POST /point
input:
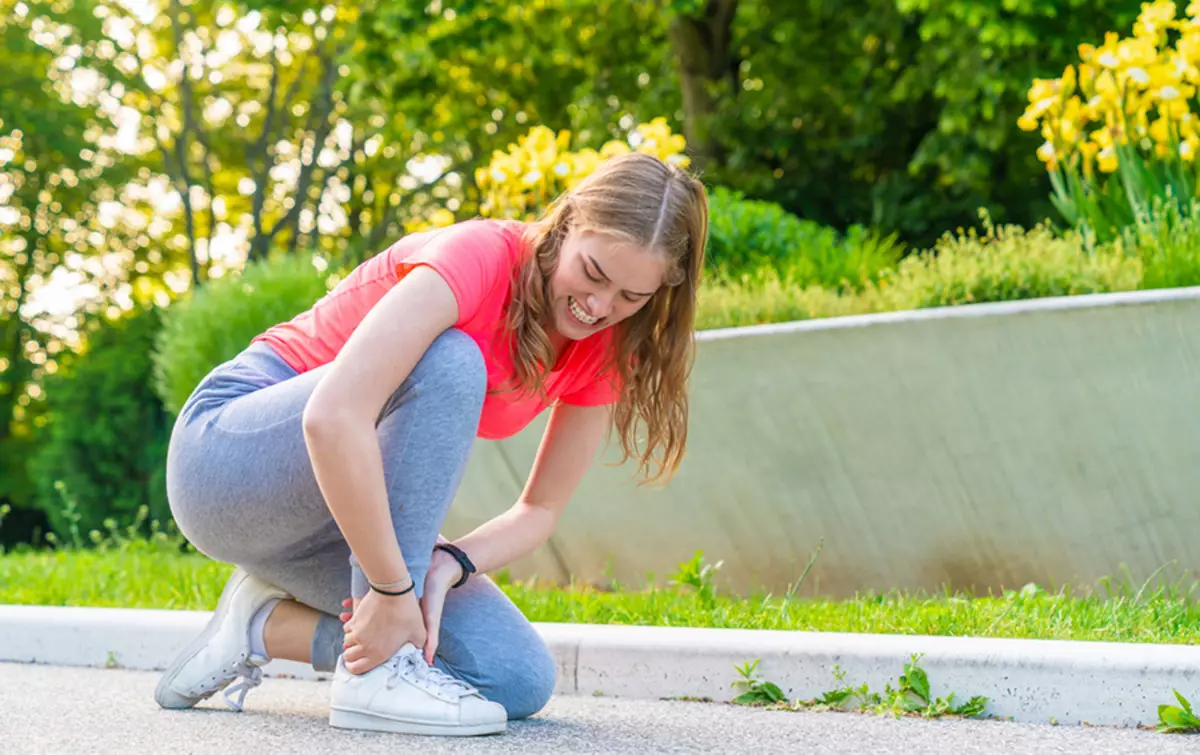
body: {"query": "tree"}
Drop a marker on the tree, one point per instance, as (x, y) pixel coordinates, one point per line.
(54, 175)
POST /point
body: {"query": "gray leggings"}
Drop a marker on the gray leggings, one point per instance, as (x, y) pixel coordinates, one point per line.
(242, 491)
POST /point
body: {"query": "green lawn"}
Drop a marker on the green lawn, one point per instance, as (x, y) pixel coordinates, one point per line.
(144, 578)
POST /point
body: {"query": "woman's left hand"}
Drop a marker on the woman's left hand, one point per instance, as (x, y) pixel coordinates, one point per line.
(443, 572)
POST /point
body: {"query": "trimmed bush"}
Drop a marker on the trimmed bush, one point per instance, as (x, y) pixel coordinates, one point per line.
(217, 321)
(748, 236)
(1007, 263)
(102, 453)
(1003, 264)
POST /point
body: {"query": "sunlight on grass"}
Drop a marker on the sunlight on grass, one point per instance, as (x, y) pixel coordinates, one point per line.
(150, 578)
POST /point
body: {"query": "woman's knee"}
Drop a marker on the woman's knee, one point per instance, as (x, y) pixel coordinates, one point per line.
(455, 365)
(524, 686)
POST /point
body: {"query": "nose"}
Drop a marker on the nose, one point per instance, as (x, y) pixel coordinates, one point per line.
(599, 305)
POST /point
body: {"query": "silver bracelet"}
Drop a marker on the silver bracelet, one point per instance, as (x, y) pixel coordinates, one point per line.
(389, 585)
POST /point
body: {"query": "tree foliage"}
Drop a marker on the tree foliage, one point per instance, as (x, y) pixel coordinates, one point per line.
(104, 448)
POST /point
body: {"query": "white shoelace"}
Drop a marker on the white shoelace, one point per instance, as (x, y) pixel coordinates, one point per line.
(251, 677)
(431, 678)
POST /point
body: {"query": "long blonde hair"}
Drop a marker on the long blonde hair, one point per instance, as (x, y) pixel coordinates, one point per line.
(641, 200)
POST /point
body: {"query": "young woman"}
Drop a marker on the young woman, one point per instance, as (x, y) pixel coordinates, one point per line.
(323, 459)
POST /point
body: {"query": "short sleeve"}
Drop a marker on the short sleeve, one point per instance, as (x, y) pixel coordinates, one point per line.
(603, 389)
(475, 259)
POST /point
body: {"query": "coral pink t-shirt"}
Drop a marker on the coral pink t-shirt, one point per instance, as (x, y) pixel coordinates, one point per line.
(477, 259)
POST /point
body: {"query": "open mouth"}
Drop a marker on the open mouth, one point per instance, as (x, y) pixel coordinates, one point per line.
(578, 313)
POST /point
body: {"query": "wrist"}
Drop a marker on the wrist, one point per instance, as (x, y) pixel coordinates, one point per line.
(393, 589)
(466, 567)
(443, 560)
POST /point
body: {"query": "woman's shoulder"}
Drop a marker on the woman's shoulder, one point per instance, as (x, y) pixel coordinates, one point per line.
(480, 237)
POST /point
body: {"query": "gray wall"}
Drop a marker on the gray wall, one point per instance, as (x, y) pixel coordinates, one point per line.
(983, 447)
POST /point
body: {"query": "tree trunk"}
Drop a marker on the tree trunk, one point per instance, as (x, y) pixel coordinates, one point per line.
(703, 52)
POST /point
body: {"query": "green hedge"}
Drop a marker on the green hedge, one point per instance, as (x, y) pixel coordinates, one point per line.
(103, 449)
(218, 320)
(746, 236)
(1004, 263)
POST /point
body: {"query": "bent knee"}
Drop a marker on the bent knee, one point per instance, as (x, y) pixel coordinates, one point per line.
(524, 689)
(454, 362)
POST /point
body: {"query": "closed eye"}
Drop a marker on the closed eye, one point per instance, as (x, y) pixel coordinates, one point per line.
(632, 296)
(589, 275)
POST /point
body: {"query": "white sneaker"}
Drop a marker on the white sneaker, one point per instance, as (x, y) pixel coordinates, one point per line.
(222, 651)
(407, 695)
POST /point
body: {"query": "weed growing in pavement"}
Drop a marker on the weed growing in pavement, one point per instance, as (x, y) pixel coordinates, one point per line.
(1178, 720)
(757, 692)
(910, 697)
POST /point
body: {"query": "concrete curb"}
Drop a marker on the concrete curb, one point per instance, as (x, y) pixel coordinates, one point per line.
(1036, 681)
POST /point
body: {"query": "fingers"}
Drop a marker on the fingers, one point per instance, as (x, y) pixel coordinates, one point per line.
(431, 610)
(361, 665)
(353, 654)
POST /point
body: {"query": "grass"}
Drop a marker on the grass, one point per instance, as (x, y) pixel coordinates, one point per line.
(153, 576)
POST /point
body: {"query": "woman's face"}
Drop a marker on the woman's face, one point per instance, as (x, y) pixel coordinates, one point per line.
(599, 282)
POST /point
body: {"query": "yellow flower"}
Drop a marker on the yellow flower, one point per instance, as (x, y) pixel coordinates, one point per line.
(1106, 159)
(1088, 150)
(1106, 87)
(1044, 89)
(1047, 154)
(1175, 109)
(1155, 19)
(1138, 75)
(1068, 81)
(1188, 148)
(613, 149)
(1160, 130)
(1087, 79)
(1140, 52)
(1188, 46)
(1187, 125)
(1107, 54)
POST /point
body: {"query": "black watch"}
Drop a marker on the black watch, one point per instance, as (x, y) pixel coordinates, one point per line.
(468, 568)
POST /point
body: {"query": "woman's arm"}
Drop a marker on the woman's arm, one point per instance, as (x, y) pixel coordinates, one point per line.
(339, 419)
(568, 447)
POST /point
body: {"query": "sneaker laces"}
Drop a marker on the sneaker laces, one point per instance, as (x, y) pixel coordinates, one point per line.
(430, 678)
(251, 677)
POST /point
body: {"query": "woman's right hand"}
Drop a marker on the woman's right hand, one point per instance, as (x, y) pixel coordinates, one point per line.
(379, 626)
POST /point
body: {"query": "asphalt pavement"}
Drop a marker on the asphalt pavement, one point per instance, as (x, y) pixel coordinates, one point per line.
(54, 709)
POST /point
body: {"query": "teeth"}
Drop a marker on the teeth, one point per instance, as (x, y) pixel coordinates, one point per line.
(575, 310)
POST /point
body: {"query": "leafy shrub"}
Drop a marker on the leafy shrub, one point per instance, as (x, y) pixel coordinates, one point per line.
(748, 236)
(1007, 263)
(104, 445)
(1003, 264)
(218, 321)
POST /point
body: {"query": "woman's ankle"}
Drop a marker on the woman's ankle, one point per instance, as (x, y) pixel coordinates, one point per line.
(288, 631)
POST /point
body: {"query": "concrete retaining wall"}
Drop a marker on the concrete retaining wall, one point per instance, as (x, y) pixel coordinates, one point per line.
(985, 446)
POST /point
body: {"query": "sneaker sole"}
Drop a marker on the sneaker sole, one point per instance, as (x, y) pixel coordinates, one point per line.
(351, 719)
(169, 698)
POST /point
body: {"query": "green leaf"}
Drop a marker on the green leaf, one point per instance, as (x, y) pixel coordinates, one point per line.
(917, 680)
(773, 692)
